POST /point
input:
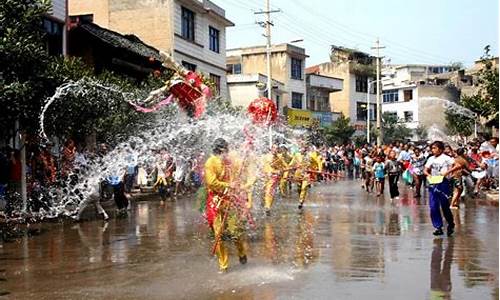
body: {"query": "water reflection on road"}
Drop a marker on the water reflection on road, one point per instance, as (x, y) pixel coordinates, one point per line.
(344, 245)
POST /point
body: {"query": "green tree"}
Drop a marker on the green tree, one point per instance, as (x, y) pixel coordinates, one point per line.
(28, 76)
(421, 132)
(340, 131)
(394, 129)
(23, 61)
(97, 104)
(484, 103)
(316, 134)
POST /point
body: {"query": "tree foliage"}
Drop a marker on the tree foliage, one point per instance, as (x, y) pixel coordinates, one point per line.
(316, 134)
(484, 103)
(340, 132)
(23, 60)
(421, 132)
(394, 129)
(29, 76)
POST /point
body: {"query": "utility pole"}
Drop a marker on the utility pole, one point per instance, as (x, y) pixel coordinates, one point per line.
(268, 25)
(379, 108)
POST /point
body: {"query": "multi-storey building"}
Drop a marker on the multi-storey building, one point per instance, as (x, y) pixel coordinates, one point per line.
(244, 88)
(357, 70)
(319, 88)
(287, 67)
(413, 94)
(192, 31)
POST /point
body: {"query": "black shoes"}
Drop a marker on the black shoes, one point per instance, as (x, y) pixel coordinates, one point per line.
(438, 231)
(450, 229)
(301, 205)
(243, 259)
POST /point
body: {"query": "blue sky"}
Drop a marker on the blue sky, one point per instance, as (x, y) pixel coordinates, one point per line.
(423, 31)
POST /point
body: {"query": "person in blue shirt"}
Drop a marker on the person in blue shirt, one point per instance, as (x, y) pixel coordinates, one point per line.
(379, 171)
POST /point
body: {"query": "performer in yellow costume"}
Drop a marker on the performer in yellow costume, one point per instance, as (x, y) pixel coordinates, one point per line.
(220, 212)
(273, 168)
(307, 165)
(284, 182)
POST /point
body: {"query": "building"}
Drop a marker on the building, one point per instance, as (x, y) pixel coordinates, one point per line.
(357, 70)
(106, 50)
(244, 88)
(287, 67)
(319, 88)
(397, 75)
(417, 95)
(54, 24)
(192, 31)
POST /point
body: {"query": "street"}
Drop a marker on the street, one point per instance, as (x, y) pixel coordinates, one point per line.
(345, 244)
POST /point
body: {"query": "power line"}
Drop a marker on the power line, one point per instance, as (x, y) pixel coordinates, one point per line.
(349, 30)
(311, 31)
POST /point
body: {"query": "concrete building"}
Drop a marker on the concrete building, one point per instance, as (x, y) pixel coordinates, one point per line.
(287, 67)
(319, 88)
(356, 69)
(397, 75)
(54, 24)
(412, 93)
(244, 88)
(192, 31)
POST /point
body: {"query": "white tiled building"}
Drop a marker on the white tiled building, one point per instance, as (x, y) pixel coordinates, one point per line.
(408, 94)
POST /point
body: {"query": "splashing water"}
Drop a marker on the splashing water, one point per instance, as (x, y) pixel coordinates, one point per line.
(450, 106)
(436, 132)
(79, 88)
(175, 133)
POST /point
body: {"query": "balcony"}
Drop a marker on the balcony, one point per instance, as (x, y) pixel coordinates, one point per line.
(324, 82)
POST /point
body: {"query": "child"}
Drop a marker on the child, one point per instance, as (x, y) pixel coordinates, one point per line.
(437, 169)
(457, 183)
(379, 170)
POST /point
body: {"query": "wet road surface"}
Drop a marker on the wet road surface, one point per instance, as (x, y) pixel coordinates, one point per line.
(345, 244)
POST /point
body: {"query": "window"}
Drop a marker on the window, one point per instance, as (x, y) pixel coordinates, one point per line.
(362, 84)
(213, 39)
(408, 95)
(187, 24)
(54, 37)
(278, 102)
(297, 100)
(361, 111)
(390, 96)
(237, 69)
(296, 68)
(408, 116)
(189, 66)
(233, 69)
(216, 80)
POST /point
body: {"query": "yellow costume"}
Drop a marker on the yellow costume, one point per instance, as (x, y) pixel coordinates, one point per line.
(287, 158)
(273, 167)
(243, 170)
(306, 168)
(222, 221)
